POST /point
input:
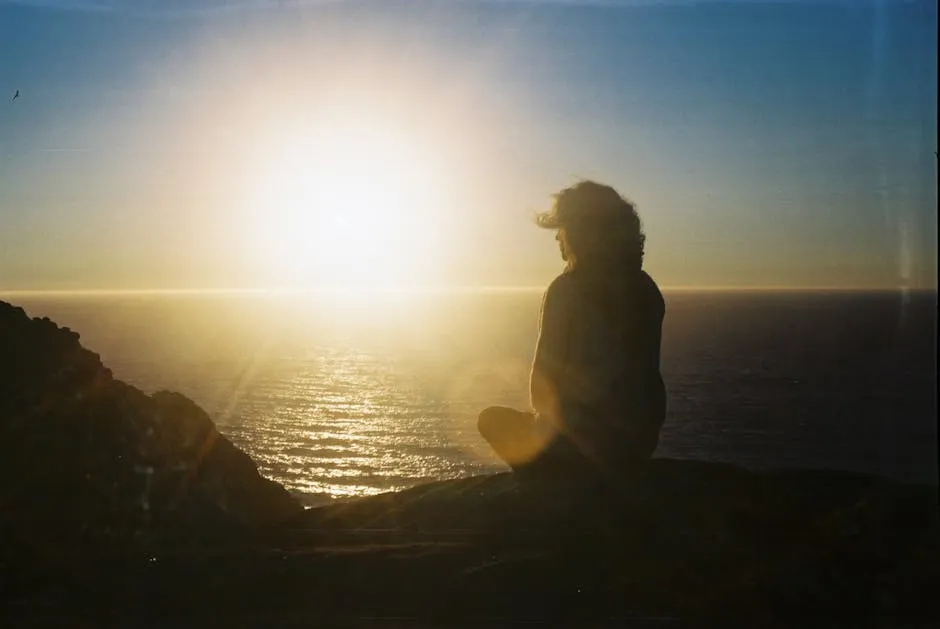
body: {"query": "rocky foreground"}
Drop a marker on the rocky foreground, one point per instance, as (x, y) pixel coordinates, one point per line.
(125, 509)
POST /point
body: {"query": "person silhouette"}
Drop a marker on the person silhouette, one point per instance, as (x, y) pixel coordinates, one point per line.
(597, 395)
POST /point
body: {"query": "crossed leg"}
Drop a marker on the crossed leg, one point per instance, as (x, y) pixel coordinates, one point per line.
(516, 436)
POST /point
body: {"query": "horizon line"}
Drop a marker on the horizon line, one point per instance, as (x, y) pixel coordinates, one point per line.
(419, 290)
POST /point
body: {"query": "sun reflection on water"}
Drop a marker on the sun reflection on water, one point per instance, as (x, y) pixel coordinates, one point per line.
(355, 422)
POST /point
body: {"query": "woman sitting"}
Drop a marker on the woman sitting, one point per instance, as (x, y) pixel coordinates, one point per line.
(598, 396)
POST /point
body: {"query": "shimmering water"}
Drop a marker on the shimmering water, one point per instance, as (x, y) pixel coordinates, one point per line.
(338, 397)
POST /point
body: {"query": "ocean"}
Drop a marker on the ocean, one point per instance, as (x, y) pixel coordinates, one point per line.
(340, 396)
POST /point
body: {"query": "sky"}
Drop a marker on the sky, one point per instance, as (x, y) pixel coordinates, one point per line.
(260, 144)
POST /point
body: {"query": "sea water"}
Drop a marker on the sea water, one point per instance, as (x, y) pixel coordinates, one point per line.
(347, 395)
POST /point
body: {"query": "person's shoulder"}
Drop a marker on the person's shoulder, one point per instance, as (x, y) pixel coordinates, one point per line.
(560, 291)
(562, 285)
(652, 289)
(649, 283)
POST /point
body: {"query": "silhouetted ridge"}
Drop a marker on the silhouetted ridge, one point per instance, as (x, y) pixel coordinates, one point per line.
(85, 457)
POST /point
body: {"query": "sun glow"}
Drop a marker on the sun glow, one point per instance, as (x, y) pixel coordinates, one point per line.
(349, 206)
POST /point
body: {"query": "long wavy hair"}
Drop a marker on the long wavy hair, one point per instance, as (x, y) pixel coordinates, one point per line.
(602, 229)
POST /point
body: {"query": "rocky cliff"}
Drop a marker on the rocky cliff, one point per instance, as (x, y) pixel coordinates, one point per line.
(88, 459)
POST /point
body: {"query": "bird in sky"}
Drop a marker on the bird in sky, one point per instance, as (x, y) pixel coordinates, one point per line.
(15, 96)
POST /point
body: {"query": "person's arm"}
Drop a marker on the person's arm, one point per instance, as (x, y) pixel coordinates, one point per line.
(548, 366)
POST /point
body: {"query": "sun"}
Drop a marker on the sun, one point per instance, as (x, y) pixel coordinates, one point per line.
(345, 207)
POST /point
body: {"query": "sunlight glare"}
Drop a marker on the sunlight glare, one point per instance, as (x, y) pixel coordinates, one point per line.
(349, 207)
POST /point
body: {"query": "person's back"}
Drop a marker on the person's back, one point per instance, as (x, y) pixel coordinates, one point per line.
(612, 397)
(595, 387)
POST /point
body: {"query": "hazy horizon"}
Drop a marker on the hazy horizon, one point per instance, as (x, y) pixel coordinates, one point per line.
(240, 145)
(433, 290)
(335, 398)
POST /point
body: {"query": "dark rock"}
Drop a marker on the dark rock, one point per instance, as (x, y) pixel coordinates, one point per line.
(683, 542)
(87, 459)
(683, 539)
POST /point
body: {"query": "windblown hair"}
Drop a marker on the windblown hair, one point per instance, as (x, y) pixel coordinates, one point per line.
(602, 228)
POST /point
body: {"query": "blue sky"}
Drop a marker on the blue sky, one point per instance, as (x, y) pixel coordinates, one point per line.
(765, 143)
